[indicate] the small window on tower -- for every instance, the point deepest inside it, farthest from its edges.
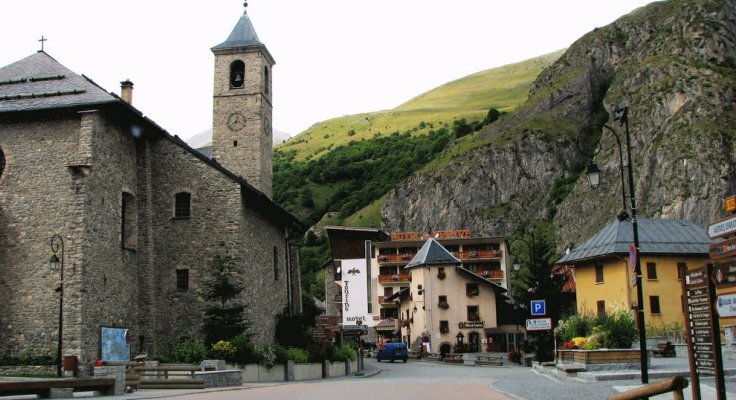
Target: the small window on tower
(2, 162)
(237, 74)
(265, 80)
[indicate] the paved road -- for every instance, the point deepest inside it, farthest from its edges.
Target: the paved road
(429, 381)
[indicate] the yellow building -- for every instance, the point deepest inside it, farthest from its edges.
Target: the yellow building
(603, 272)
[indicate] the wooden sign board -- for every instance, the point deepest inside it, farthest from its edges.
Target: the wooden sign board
(722, 228)
(729, 204)
(722, 250)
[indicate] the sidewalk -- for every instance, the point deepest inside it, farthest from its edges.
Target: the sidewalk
(659, 368)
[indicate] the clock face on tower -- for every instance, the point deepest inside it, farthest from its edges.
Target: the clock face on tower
(236, 121)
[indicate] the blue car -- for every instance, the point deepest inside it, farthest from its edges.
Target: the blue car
(393, 351)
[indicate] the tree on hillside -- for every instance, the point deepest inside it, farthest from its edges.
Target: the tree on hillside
(492, 116)
(224, 314)
(533, 248)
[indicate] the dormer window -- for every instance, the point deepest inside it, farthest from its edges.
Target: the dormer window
(237, 74)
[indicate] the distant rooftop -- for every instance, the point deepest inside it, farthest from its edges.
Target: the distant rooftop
(433, 253)
(656, 236)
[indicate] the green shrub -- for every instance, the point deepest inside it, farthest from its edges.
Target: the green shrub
(223, 350)
(620, 329)
(576, 325)
(188, 351)
(345, 353)
(29, 359)
(245, 353)
(297, 355)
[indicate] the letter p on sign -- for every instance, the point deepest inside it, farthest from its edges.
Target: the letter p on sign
(538, 307)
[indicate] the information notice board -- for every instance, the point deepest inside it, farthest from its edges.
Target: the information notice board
(702, 328)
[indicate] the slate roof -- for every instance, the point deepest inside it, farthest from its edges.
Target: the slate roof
(656, 236)
(243, 35)
(433, 253)
(40, 82)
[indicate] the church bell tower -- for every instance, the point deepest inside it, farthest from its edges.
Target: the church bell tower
(242, 139)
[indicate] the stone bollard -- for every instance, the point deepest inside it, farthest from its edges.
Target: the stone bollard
(289, 371)
(110, 371)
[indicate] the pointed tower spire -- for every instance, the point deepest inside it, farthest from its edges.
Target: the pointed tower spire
(245, 6)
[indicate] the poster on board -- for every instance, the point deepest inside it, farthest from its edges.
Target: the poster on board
(115, 344)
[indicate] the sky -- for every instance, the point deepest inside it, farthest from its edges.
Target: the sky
(333, 57)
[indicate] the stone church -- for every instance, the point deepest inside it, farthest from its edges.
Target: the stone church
(135, 213)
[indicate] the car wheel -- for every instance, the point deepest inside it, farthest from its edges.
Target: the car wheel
(404, 360)
(392, 360)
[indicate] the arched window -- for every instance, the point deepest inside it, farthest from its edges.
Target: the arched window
(182, 205)
(2, 162)
(265, 79)
(129, 222)
(237, 74)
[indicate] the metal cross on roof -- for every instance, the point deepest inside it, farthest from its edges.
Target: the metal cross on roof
(43, 39)
(245, 5)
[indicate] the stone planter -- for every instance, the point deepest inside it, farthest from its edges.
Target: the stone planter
(601, 359)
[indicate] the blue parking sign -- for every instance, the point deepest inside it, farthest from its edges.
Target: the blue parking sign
(538, 307)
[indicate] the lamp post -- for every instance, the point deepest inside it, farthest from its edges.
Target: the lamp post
(621, 114)
(57, 243)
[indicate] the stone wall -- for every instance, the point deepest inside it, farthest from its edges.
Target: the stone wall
(37, 370)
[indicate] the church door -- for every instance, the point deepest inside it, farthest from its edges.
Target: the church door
(474, 342)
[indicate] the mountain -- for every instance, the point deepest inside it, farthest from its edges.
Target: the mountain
(470, 97)
(339, 166)
(674, 62)
(204, 138)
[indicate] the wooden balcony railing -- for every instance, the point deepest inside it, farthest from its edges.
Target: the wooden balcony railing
(395, 258)
(477, 254)
(385, 300)
(493, 274)
(394, 278)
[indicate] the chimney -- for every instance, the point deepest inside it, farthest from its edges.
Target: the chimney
(126, 91)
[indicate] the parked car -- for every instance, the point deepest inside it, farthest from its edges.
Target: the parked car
(393, 351)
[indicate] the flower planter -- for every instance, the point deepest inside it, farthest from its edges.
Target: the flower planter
(601, 359)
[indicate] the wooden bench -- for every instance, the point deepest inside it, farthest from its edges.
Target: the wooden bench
(453, 358)
(169, 377)
(488, 359)
(43, 388)
(664, 349)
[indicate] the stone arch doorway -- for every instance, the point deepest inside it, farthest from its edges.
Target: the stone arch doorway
(474, 342)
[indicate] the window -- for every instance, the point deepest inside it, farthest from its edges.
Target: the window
(442, 302)
(444, 327)
(471, 289)
(2, 162)
(237, 74)
(599, 274)
(182, 280)
(129, 222)
(681, 270)
(654, 305)
(275, 263)
(601, 308)
(473, 314)
(651, 271)
(182, 205)
(388, 291)
(265, 79)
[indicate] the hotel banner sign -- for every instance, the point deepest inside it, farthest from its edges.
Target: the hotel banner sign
(355, 294)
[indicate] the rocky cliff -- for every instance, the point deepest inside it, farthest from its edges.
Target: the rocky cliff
(674, 63)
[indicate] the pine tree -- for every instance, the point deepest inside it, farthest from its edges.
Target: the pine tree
(224, 314)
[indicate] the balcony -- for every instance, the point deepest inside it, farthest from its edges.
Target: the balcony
(384, 301)
(395, 278)
(395, 258)
(494, 275)
(478, 255)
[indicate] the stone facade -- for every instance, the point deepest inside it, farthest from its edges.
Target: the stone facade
(106, 180)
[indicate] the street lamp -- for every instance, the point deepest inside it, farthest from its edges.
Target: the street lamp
(57, 243)
(621, 115)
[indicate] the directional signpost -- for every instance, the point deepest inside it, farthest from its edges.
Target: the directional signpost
(703, 331)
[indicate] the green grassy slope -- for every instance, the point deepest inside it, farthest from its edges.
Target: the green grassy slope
(503, 88)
